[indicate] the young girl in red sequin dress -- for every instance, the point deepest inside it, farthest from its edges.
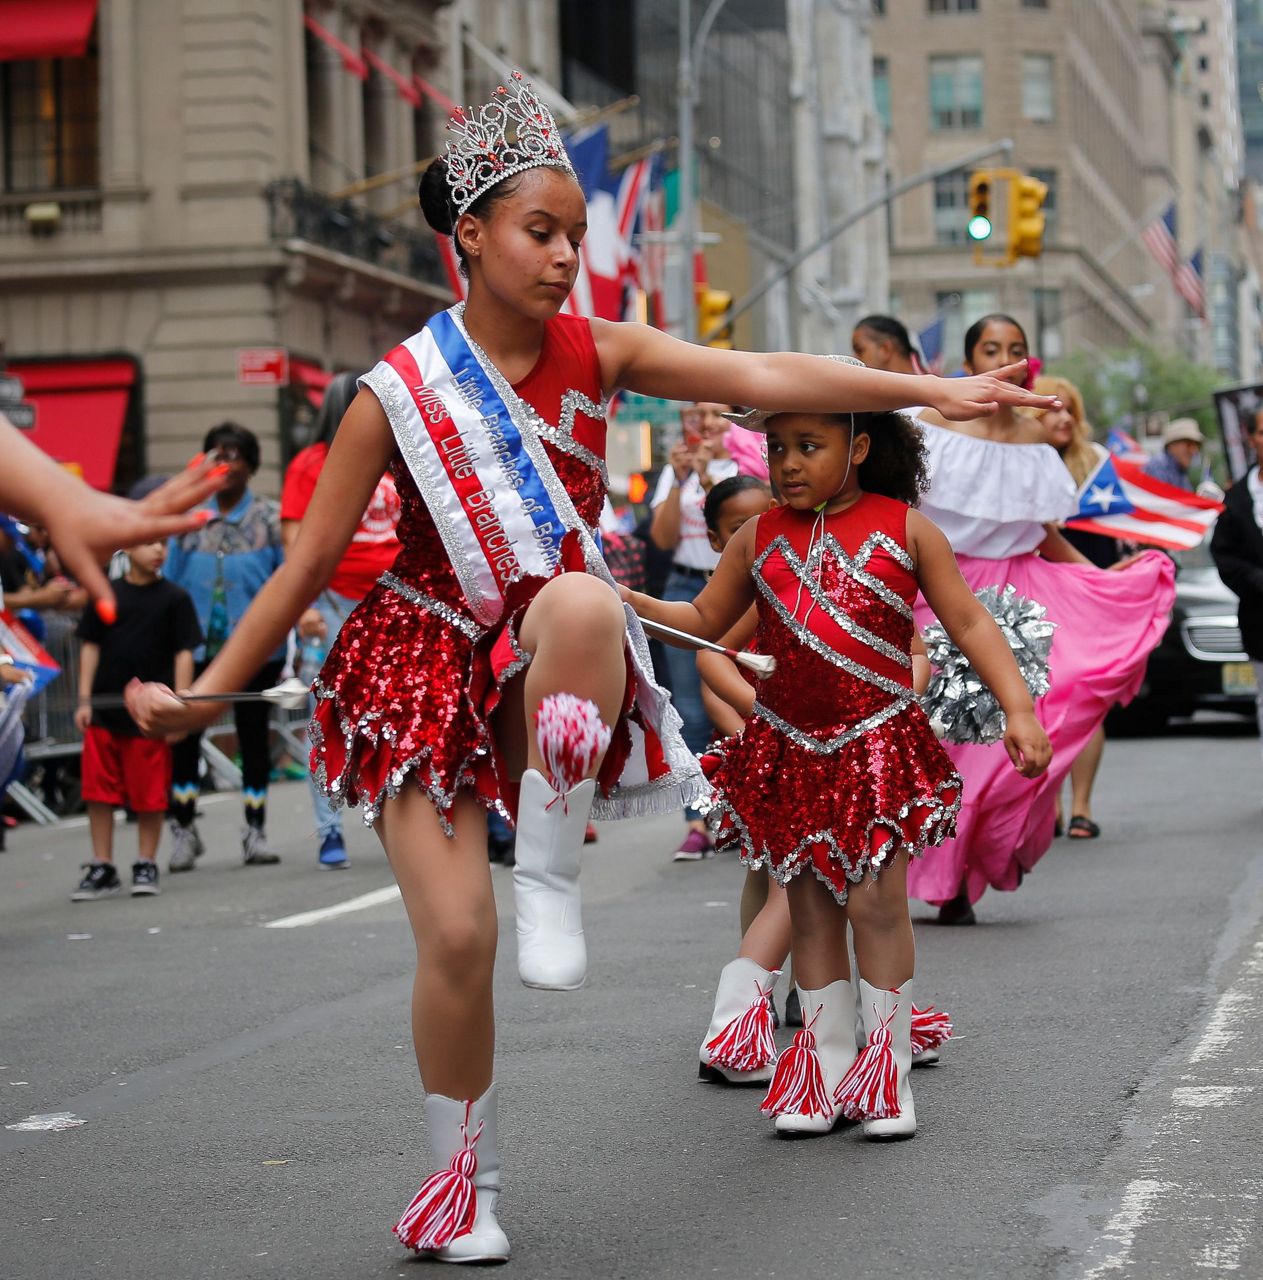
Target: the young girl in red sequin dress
(491, 420)
(837, 772)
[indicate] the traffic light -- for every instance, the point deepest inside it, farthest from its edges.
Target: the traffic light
(979, 225)
(713, 306)
(637, 488)
(1026, 216)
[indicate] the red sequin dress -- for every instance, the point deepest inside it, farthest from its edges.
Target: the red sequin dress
(408, 689)
(837, 765)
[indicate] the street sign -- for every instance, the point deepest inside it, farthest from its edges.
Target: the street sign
(262, 366)
(11, 389)
(20, 415)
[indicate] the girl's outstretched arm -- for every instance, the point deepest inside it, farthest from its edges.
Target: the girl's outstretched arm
(359, 454)
(637, 358)
(975, 632)
(722, 601)
(728, 695)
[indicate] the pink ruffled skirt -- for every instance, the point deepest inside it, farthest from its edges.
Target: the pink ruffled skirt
(1108, 623)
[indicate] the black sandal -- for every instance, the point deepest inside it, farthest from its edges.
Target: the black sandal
(1082, 828)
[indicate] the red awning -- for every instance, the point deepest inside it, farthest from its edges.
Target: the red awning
(45, 28)
(311, 377)
(407, 90)
(79, 410)
(350, 59)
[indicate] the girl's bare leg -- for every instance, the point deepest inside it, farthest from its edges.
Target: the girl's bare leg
(574, 631)
(753, 897)
(818, 933)
(446, 887)
(885, 950)
(767, 940)
(1083, 775)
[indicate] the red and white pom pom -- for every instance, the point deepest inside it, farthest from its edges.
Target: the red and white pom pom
(930, 1028)
(747, 1043)
(572, 738)
(797, 1087)
(870, 1089)
(444, 1208)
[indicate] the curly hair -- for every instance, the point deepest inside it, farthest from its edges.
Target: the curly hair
(896, 466)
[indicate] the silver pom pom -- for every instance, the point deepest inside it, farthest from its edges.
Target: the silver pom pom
(959, 706)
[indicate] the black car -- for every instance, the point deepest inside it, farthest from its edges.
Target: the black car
(1200, 663)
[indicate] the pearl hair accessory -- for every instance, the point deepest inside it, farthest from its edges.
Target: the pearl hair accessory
(481, 153)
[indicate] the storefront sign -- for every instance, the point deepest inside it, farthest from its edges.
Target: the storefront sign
(262, 366)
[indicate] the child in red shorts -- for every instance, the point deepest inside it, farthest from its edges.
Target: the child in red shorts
(153, 639)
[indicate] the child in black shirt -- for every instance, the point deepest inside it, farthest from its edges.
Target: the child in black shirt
(153, 639)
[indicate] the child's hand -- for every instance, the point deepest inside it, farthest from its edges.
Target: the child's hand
(83, 718)
(1027, 744)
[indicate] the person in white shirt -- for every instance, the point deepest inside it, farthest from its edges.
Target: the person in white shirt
(697, 462)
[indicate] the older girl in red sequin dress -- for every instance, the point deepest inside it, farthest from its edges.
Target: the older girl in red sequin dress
(837, 772)
(499, 604)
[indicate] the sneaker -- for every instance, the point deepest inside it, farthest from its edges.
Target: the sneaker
(100, 881)
(145, 879)
(696, 846)
(185, 848)
(254, 848)
(333, 852)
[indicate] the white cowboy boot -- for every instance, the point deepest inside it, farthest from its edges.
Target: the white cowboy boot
(809, 1071)
(550, 827)
(739, 1048)
(453, 1217)
(876, 1090)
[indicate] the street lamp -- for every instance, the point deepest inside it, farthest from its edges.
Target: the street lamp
(691, 46)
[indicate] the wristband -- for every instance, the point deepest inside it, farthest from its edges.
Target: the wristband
(6, 660)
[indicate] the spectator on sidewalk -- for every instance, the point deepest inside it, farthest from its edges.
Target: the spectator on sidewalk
(1237, 547)
(153, 639)
(223, 565)
(1181, 442)
(370, 553)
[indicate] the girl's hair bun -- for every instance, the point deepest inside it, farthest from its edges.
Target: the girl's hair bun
(436, 198)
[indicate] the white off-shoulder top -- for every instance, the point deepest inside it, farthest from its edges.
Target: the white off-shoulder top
(991, 499)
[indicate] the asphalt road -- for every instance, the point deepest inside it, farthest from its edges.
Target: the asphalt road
(250, 1105)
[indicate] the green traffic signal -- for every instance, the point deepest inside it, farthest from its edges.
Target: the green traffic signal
(979, 227)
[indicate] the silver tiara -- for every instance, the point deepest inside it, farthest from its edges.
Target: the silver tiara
(481, 152)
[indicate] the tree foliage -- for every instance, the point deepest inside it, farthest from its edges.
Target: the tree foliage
(1120, 385)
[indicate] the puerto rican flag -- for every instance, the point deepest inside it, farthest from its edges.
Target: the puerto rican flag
(1121, 445)
(1120, 501)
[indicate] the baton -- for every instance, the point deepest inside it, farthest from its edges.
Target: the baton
(762, 664)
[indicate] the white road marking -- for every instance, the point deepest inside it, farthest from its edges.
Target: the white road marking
(1120, 1231)
(374, 899)
(1209, 1095)
(1228, 1019)
(54, 1122)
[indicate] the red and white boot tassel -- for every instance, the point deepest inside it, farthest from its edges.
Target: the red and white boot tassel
(453, 1217)
(801, 1095)
(552, 821)
(931, 1028)
(876, 1089)
(739, 1047)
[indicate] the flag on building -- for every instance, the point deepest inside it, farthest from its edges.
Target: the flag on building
(1190, 281)
(1120, 501)
(1160, 240)
(930, 341)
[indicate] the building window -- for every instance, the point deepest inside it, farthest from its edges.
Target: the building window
(1048, 339)
(951, 201)
(879, 8)
(1034, 4)
(953, 6)
(956, 92)
(1204, 98)
(1203, 63)
(881, 88)
(1037, 86)
(1049, 178)
(50, 118)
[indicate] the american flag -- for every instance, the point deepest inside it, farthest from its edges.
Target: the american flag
(1189, 280)
(1159, 238)
(1120, 501)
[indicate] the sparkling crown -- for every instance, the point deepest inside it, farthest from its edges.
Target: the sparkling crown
(481, 152)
